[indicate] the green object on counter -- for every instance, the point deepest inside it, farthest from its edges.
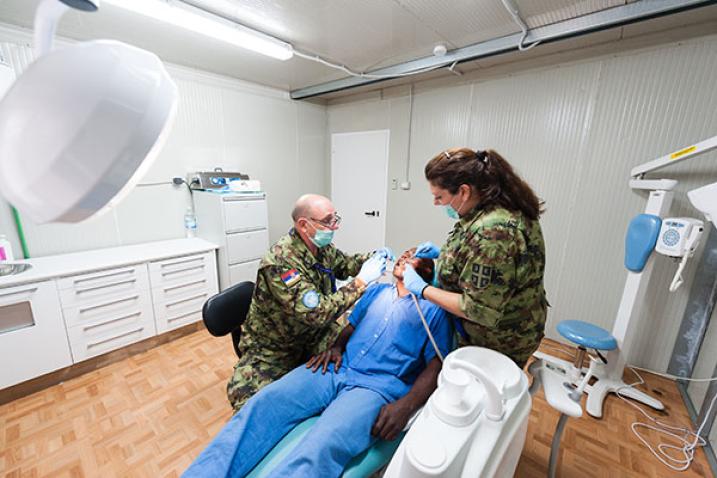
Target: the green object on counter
(20, 233)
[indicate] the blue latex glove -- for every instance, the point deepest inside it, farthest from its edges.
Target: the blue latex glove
(413, 281)
(372, 269)
(428, 250)
(387, 253)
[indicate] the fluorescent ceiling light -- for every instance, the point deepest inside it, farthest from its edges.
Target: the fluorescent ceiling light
(194, 19)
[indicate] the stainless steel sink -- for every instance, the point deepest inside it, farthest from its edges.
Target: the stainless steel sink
(8, 269)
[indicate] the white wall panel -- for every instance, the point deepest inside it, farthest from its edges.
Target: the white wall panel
(574, 132)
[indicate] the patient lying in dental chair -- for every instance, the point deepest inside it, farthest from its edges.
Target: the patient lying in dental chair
(380, 370)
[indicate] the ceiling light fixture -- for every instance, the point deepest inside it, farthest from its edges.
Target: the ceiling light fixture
(197, 20)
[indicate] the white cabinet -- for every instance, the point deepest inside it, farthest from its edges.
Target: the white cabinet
(238, 223)
(33, 341)
(106, 310)
(180, 287)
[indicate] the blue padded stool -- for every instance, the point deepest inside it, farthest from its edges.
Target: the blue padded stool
(361, 466)
(586, 336)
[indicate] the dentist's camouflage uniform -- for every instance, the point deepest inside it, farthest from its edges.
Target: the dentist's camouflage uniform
(496, 260)
(293, 313)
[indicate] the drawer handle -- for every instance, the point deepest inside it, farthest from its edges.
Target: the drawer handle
(167, 289)
(183, 261)
(116, 319)
(95, 344)
(90, 289)
(172, 319)
(104, 276)
(118, 301)
(29, 291)
(167, 273)
(194, 297)
(246, 229)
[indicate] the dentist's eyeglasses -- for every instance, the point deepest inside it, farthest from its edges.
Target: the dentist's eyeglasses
(332, 222)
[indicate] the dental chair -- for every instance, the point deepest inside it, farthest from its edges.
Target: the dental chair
(225, 313)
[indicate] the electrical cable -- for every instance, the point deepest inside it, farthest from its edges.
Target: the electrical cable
(368, 76)
(683, 435)
(515, 13)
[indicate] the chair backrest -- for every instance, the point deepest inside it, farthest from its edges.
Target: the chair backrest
(226, 311)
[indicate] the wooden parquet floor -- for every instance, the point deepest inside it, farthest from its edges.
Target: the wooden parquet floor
(149, 415)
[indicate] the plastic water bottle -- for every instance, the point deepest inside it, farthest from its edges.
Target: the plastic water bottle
(190, 223)
(5, 249)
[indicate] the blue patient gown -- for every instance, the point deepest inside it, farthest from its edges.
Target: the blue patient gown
(385, 355)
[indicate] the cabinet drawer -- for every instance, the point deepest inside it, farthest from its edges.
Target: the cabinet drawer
(247, 246)
(183, 270)
(174, 313)
(245, 215)
(114, 332)
(91, 313)
(102, 286)
(243, 272)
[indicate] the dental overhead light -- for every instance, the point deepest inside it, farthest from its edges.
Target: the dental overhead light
(82, 124)
(194, 19)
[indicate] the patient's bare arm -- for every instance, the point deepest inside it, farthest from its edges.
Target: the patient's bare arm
(333, 354)
(393, 417)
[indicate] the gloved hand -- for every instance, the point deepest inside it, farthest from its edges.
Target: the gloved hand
(372, 269)
(387, 253)
(428, 250)
(413, 281)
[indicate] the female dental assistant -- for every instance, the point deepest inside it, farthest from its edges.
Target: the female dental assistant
(490, 270)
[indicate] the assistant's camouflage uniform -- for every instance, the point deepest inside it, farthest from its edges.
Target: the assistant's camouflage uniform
(496, 260)
(293, 312)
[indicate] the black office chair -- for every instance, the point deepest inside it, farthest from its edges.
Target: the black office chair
(227, 311)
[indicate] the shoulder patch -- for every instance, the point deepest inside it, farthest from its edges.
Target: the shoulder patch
(310, 299)
(482, 276)
(290, 277)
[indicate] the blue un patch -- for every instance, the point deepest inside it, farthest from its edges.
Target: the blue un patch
(310, 299)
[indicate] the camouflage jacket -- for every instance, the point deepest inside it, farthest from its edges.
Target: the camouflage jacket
(293, 304)
(496, 261)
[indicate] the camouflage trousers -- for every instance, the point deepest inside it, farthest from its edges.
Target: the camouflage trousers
(517, 339)
(251, 374)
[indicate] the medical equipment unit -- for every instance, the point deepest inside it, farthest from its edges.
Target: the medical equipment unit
(82, 124)
(219, 180)
(563, 381)
(474, 424)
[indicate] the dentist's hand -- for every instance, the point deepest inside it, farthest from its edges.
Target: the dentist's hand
(413, 281)
(386, 253)
(428, 250)
(372, 269)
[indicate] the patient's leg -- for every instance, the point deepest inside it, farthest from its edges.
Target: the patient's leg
(263, 421)
(342, 432)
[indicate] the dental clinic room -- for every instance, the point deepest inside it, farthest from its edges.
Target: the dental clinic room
(359, 239)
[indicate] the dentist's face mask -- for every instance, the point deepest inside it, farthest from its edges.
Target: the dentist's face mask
(322, 237)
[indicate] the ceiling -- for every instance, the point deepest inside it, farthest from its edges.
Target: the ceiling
(363, 35)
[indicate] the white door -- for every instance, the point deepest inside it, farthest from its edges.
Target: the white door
(359, 170)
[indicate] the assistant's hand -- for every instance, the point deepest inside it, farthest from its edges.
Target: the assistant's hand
(324, 359)
(372, 269)
(413, 282)
(386, 253)
(428, 250)
(391, 420)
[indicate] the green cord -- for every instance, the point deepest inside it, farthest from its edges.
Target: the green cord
(20, 233)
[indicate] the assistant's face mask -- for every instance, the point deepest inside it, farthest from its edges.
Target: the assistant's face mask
(451, 212)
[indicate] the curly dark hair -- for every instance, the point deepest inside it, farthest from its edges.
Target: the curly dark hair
(497, 184)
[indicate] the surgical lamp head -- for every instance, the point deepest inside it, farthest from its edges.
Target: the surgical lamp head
(82, 124)
(705, 200)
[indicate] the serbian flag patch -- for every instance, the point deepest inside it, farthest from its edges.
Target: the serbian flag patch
(290, 277)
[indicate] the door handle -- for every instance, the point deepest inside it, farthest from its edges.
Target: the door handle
(371, 213)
